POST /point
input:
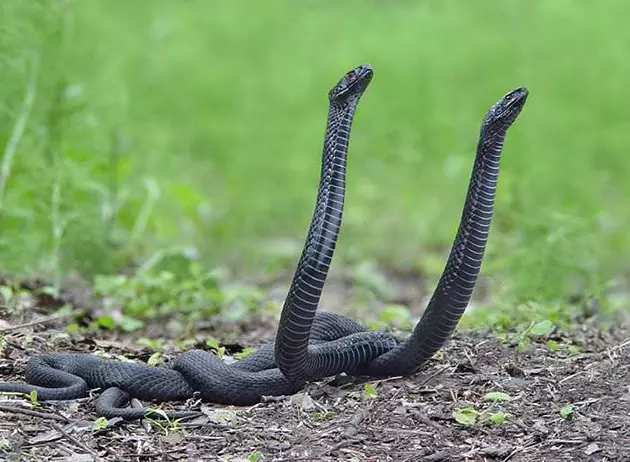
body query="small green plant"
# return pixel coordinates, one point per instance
(214, 344)
(150, 343)
(566, 411)
(165, 424)
(541, 329)
(245, 353)
(573, 349)
(369, 391)
(323, 415)
(497, 396)
(160, 294)
(255, 456)
(466, 416)
(33, 397)
(185, 344)
(538, 329)
(155, 359)
(553, 345)
(498, 417)
(100, 424)
(470, 416)
(504, 317)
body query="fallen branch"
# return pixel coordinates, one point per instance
(72, 439)
(35, 323)
(41, 415)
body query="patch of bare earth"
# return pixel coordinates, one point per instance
(406, 419)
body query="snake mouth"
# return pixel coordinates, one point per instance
(353, 83)
(504, 113)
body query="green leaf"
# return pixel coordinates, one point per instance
(369, 391)
(466, 416)
(553, 345)
(214, 344)
(49, 290)
(106, 321)
(100, 423)
(498, 417)
(497, 396)
(523, 344)
(255, 456)
(573, 349)
(245, 353)
(566, 411)
(151, 343)
(322, 415)
(542, 328)
(155, 359)
(129, 324)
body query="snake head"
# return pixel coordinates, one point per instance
(352, 85)
(502, 114)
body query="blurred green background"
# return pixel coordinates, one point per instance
(129, 127)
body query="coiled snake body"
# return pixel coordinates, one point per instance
(309, 345)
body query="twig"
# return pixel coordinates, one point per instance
(425, 379)
(433, 375)
(563, 441)
(511, 454)
(136, 404)
(41, 415)
(388, 379)
(622, 345)
(72, 439)
(36, 322)
(569, 377)
(353, 426)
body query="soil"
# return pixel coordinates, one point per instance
(562, 405)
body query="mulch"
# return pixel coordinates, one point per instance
(399, 419)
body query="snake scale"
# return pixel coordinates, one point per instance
(309, 345)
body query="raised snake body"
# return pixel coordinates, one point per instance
(295, 357)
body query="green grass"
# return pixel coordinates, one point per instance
(199, 124)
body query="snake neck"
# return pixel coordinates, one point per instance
(456, 284)
(310, 275)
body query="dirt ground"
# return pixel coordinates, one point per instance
(401, 419)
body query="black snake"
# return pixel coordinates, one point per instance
(296, 358)
(309, 345)
(339, 344)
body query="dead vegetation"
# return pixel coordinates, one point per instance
(479, 400)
